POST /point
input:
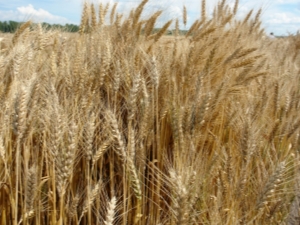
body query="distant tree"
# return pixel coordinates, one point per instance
(71, 28)
(12, 26)
(47, 26)
(5, 27)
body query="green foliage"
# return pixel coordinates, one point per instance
(12, 26)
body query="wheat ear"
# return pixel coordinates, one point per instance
(100, 151)
(72, 209)
(111, 211)
(31, 185)
(94, 18)
(203, 11)
(176, 27)
(181, 194)
(235, 8)
(19, 32)
(137, 13)
(161, 32)
(101, 15)
(90, 199)
(113, 12)
(150, 23)
(184, 15)
(84, 19)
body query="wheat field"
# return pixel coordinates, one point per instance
(118, 124)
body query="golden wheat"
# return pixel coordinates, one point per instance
(121, 124)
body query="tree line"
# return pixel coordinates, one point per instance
(11, 26)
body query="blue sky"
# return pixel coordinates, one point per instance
(279, 16)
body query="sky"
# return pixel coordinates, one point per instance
(282, 17)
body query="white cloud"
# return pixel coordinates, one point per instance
(284, 18)
(287, 1)
(28, 12)
(282, 23)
